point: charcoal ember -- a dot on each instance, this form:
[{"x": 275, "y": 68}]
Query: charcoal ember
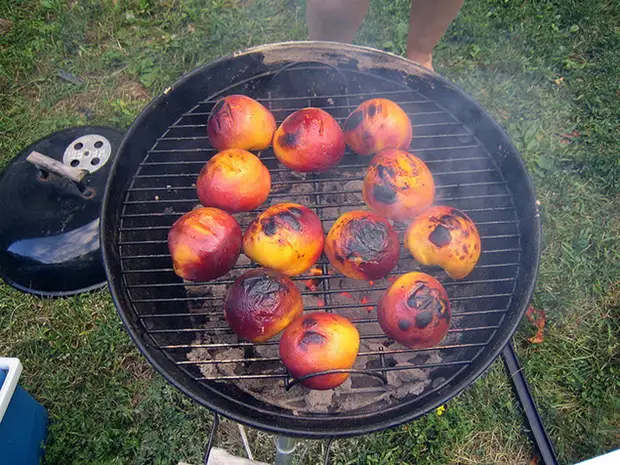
[
  {"x": 338, "y": 192},
  {"x": 267, "y": 350},
  {"x": 402, "y": 357},
  {"x": 319, "y": 401},
  {"x": 433, "y": 357},
  {"x": 357, "y": 400},
  {"x": 409, "y": 390},
  {"x": 228, "y": 369},
  {"x": 313, "y": 302},
  {"x": 200, "y": 354}
]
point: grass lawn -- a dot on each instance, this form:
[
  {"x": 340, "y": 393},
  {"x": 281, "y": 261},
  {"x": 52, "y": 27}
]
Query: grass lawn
[{"x": 546, "y": 70}]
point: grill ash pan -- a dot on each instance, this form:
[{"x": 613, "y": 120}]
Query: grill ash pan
[{"x": 179, "y": 326}]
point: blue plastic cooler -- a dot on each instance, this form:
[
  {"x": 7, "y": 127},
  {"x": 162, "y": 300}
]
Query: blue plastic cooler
[{"x": 23, "y": 421}]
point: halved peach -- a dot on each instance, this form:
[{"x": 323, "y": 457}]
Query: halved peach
[
  {"x": 204, "y": 244},
  {"x": 445, "y": 237},
  {"x": 319, "y": 342},
  {"x": 376, "y": 125},
  {"x": 415, "y": 311},
  {"x": 309, "y": 140},
  {"x": 286, "y": 237},
  {"x": 234, "y": 180},
  {"x": 240, "y": 122},
  {"x": 362, "y": 245},
  {"x": 261, "y": 303},
  {"x": 398, "y": 185}
]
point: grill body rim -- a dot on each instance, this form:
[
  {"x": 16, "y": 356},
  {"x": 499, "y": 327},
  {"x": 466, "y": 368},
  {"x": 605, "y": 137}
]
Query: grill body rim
[{"x": 342, "y": 55}]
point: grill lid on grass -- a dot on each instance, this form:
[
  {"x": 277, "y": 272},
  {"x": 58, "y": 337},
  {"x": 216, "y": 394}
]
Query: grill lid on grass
[{"x": 50, "y": 204}]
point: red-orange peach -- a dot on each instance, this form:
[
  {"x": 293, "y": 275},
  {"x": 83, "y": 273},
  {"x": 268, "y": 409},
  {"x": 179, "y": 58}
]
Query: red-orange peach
[
  {"x": 398, "y": 185},
  {"x": 376, "y": 125},
  {"x": 415, "y": 311},
  {"x": 446, "y": 237},
  {"x": 309, "y": 140},
  {"x": 204, "y": 244},
  {"x": 261, "y": 303},
  {"x": 362, "y": 245},
  {"x": 319, "y": 342},
  {"x": 239, "y": 122},
  {"x": 234, "y": 180},
  {"x": 286, "y": 237}
]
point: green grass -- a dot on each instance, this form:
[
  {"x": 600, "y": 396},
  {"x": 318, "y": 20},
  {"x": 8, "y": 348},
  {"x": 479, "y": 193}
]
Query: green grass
[{"x": 546, "y": 70}]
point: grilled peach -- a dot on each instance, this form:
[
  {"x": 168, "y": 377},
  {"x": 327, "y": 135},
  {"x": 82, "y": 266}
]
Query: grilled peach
[
  {"x": 261, "y": 303},
  {"x": 204, "y": 244},
  {"x": 398, "y": 185},
  {"x": 287, "y": 237},
  {"x": 362, "y": 245},
  {"x": 239, "y": 122},
  {"x": 445, "y": 237},
  {"x": 234, "y": 180},
  {"x": 319, "y": 342},
  {"x": 376, "y": 125},
  {"x": 309, "y": 140},
  {"x": 415, "y": 311}
]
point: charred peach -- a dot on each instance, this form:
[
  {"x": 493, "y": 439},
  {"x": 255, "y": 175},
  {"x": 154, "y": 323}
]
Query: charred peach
[
  {"x": 239, "y": 122},
  {"x": 204, "y": 244},
  {"x": 319, "y": 342},
  {"x": 445, "y": 237},
  {"x": 287, "y": 237},
  {"x": 362, "y": 245},
  {"x": 261, "y": 303},
  {"x": 234, "y": 180},
  {"x": 415, "y": 311},
  {"x": 398, "y": 185},
  {"x": 309, "y": 140},
  {"x": 376, "y": 125}
]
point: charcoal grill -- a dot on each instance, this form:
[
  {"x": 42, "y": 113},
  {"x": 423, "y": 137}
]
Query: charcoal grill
[{"x": 178, "y": 326}]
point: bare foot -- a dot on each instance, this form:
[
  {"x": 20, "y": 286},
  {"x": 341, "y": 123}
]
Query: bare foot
[{"x": 425, "y": 60}]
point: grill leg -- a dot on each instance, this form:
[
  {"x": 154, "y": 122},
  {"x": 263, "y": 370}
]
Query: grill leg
[
  {"x": 543, "y": 443},
  {"x": 285, "y": 447}
]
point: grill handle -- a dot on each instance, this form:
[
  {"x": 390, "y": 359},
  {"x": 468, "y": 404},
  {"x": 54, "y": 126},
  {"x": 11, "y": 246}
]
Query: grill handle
[
  {"x": 381, "y": 377},
  {"x": 48, "y": 165},
  {"x": 543, "y": 443}
]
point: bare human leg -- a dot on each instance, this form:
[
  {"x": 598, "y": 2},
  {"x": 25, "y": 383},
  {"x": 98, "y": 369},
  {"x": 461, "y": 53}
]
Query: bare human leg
[
  {"x": 335, "y": 20},
  {"x": 428, "y": 22}
]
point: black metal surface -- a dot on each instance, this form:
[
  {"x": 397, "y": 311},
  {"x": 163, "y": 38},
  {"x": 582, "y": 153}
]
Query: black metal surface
[
  {"x": 543, "y": 443},
  {"x": 475, "y": 168},
  {"x": 212, "y": 435},
  {"x": 49, "y": 230}
]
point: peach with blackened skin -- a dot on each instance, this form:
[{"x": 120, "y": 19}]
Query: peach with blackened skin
[
  {"x": 240, "y": 122},
  {"x": 286, "y": 237},
  {"x": 204, "y": 244},
  {"x": 445, "y": 237},
  {"x": 319, "y": 342},
  {"x": 309, "y": 140},
  {"x": 415, "y": 311},
  {"x": 261, "y": 303},
  {"x": 234, "y": 180},
  {"x": 362, "y": 245},
  {"x": 376, "y": 125},
  {"x": 398, "y": 185}
]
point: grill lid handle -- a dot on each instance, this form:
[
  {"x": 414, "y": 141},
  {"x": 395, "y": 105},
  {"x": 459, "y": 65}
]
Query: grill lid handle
[{"x": 49, "y": 165}]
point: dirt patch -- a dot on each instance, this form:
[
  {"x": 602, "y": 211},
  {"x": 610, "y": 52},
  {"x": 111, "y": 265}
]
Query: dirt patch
[
  {"x": 132, "y": 90},
  {"x": 5, "y": 26}
]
